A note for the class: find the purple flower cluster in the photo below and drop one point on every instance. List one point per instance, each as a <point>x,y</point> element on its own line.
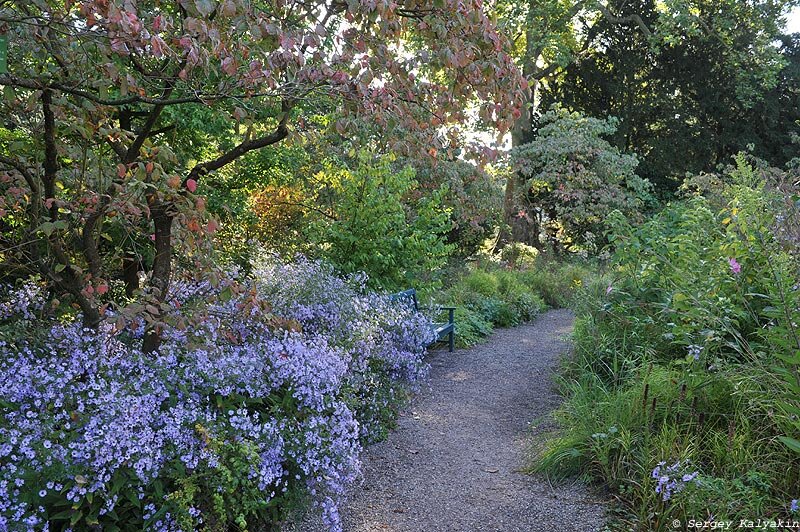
<point>89,423</point>
<point>22,302</point>
<point>695,351</point>
<point>672,479</point>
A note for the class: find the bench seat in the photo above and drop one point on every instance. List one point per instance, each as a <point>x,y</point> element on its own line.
<point>443,330</point>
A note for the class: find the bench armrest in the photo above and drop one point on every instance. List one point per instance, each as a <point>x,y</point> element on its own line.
<point>450,312</point>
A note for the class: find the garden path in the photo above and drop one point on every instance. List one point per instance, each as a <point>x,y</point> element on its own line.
<point>453,463</point>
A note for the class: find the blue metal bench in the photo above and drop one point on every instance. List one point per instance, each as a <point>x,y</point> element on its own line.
<point>409,297</point>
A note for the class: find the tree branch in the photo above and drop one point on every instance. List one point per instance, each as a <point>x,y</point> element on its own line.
<point>33,84</point>
<point>614,19</point>
<point>161,130</point>
<point>50,151</point>
<point>24,172</point>
<point>280,133</point>
<point>132,153</point>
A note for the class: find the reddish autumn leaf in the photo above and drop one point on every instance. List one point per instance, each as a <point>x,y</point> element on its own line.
<point>191,184</point>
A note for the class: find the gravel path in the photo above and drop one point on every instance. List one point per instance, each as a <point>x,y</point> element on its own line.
<point>453,462</point>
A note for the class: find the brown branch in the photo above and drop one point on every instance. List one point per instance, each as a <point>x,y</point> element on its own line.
<point>50,151</point>
<point>634,18</point>
<point>159,131</point>
<point>280,133</point>
<point>23,171</point>
<point>70,282</point>
<point>132,153</point>
<point>162,266</point>
<point>27,83</point>
<point>118,148</point>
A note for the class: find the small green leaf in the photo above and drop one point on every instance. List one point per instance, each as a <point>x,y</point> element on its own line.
<point>77,516</point>
<point>791,443</point>
<point>226,294</point>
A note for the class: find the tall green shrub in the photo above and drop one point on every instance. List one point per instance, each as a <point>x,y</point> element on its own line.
<point>575,178</point>
<point>378,223</point>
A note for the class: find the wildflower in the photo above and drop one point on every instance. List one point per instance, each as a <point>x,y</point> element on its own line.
<point>695,350</point>
<point>609,288</point>
<point>94,402</point>
<point>736,268</point>
<point>670,480</point>
<point>793,507</point>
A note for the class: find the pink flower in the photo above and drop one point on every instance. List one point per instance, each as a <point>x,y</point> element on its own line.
<point>736,268</point>
<point>191,184</point>
<point>609,289</point>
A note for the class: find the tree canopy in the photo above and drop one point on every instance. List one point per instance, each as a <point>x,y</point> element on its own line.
<point>116,111</point>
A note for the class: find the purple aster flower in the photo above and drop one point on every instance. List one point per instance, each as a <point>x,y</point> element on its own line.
<point>671,480</point>
<point>736,268</point>
<point>83,408</point>
<point>695,350</point>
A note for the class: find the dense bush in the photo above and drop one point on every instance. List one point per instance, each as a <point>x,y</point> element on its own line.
<point>236,420</point>
<point>374,219</point>
<point>357,211</point>
<point>683,393</point>
<point>493,293</point>
<point>473,200</point>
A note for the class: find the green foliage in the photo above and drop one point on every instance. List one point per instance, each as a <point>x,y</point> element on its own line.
<point>471,326</point>
<point>490,294</point>
<point>556,282</point>
<point>473,199</point>
<point>481,283</point>
<point>575,178</point>
<point>709,81</point>
<point>688,355</point>
<point>517,254</point>
<point>374,226</point>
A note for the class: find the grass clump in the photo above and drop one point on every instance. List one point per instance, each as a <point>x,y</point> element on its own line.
<point>493,292</point>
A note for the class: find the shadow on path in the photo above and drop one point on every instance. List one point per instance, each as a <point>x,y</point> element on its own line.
<point>453,462</point>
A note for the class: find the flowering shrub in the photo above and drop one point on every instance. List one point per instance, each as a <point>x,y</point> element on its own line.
<point>691,351</point>
<point>256,408</point>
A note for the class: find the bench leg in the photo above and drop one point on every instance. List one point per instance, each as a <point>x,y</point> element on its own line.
<point>452,337</point>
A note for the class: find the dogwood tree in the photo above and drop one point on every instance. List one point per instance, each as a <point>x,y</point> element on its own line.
<point>115,111</point>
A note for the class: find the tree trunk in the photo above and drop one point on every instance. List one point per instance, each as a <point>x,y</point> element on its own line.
<point>162,271</point>
<point>520,227</point>
<point>131,266</point>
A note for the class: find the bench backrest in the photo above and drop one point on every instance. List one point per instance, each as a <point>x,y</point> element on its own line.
<point>408,297</point>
